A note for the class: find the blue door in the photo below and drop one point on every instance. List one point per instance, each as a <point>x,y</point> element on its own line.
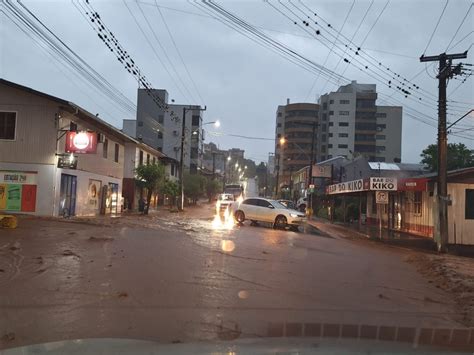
<point>67,204</point>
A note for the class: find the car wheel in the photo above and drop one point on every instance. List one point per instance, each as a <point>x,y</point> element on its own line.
<point>280,222</point>
<point>239,217</point>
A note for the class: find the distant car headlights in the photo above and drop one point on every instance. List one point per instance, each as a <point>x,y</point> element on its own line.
<point>294,215</point>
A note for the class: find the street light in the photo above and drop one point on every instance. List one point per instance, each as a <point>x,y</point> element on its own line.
<point>216,123</point>
<point>282,142</point>
<point>229,158</point>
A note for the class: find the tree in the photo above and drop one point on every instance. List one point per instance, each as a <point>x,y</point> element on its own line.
<point>459,156</point>
<point>149,176</point>
<point>213,187</point>
<point>171,189</point>
<point>193,186</point>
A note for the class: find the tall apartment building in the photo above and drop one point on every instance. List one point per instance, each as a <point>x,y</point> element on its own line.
<point>356,126</point>
<point>294,122</point>
<point>162,129</point>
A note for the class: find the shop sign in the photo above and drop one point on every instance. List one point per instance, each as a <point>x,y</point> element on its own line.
<point>383,183</point>
<point>81,142</point>
<point>321,171</point>
<point>413,184</point>
<point>381,197</point>
<point>17,191</point>
<point>67,162</point>
<point>344,187</point>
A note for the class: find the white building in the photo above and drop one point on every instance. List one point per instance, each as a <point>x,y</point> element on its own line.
<point>355,125</point>
<point>162,129</point>
<point>39,174</point>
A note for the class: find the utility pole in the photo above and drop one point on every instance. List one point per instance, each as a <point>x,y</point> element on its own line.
<point>213,164</point>
<point>181,162</point>
<point>446,71</point>
<point>310,172</point>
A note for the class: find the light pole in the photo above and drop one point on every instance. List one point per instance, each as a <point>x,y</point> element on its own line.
<point>282,142</point>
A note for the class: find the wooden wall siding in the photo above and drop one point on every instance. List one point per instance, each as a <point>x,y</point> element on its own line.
<point>461,230</point>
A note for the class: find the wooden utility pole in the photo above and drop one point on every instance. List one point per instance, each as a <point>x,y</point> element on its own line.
<point>446,71</point>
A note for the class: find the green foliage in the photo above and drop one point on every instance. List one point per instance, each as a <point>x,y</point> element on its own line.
<point>150,176</point>
<point>459,156</point>
<point>213,187</point>
<point>194,186</point>
<point>322,212</point>
<point>170,188</point>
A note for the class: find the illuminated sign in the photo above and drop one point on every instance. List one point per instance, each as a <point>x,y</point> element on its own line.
<point>322,171</point>
<point>81,142</point>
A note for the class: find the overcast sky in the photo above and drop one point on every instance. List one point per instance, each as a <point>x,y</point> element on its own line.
<point>241,82</point>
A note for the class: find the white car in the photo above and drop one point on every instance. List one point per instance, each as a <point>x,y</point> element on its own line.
<point>265,210</point>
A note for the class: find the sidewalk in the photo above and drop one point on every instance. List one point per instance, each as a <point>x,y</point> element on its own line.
<point>352,231</point>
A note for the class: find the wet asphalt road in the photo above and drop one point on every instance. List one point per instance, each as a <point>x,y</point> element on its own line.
<point>176,279</point>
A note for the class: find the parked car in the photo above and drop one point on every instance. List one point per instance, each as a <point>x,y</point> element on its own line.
<point>257,209</point>
<point>301,204</point>
<point>224,201</point>
<point>288,204</point>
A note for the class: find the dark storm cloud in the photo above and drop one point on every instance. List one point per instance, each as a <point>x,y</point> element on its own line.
<point>241,83</point>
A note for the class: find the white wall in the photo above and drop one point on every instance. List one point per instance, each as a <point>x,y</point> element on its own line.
<point>461,230</point>
<point>45,181</point>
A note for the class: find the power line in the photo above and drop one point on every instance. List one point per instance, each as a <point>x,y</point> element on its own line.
<point>459,27</point>
<point>163,64</point>
<point>179,52</point>
<point>62,52</point>
<point>462,39</point>
<point>437,24</point>
<point>261,38</point>
<point>330,51</point>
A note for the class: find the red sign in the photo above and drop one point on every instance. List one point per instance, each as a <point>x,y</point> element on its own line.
<point>28,198</point>
<point>81,142</point>
<point>413,184</point>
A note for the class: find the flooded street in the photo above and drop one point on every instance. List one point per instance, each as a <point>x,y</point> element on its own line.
<point>174,278</point>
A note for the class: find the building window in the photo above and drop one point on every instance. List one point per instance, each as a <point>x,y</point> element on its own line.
<point>380,148</point>
<point>331,101</point>
<point>325,117</point>
<point>380,115</point>
<point>195,120</point>
<point>116,153</point>
<point>364,137</point>
<point>194,153</point>
<point>323,126</point>
<point>344,102</point>
<point>161,118</point>
<point>160,135</point>
<point>7,125</point>
<point>342,146</point>
<point>323,149</point>
<point>343,124</point>
<point>154,160</point>
<point>331,124</point>
<point>279,135</point>
<point>140,124</point>
<point>365,126</point>
<point>330,145</point>
<point>279,125</point>
<point>323,138</point>
<point>279,114</point>
<point>105,148</point>
<point>140,157</point>
<point>331,113</point>
<point>330,135</point>
<point>172,169</point>
<point>417,202</point>
<point>380,136</point>
<point>469,212</point>
<point>365,103</point>
<point>344,113</point>
<point>147,159</point>
<point>343,135</point>
<point>381,127</point>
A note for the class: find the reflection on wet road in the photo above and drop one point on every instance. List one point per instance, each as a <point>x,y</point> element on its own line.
<point>177,278</point>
